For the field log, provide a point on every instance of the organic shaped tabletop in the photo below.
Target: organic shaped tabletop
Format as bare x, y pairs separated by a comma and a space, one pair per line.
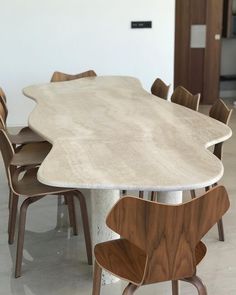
109, 133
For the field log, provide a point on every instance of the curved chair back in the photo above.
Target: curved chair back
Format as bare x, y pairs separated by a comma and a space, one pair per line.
3, 110
61, 77
183, 97
7, 153
3, 95
169, 234
222, 113
2, 123
160, 89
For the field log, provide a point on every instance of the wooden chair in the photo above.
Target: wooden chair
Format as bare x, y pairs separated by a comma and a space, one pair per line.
23, 182
25, 135
3, 95
222, 113
160, 89
159, 242
183, 97
61, 77
3, 101
28, 155
31, 148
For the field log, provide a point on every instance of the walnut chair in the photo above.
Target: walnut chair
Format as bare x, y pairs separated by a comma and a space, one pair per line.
61, 77
23, 183
25, 135
183, 97
3, 95
160, 89
3, 100
160, 242
222, 113
30, 154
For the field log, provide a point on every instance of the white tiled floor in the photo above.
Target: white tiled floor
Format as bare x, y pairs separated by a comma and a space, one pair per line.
55, 262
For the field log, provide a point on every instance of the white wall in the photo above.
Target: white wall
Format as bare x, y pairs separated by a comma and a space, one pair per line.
38, 37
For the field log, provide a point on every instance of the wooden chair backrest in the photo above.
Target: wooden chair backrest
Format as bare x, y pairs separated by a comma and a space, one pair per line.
160, 89
168, 234
222, 113
3, 112
61, 77
3, 109
183, 97
2, 123
7, 153
3, 95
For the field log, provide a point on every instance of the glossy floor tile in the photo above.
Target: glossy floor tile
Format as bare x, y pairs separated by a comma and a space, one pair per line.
55, 261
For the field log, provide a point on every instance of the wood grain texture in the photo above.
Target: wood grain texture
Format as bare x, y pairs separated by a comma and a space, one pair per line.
160, 89
222, 113
227, 18
183, 97
3, 103
198, 69
3, 95
110, 130
214, 13
159, 242
60, 77
182, 41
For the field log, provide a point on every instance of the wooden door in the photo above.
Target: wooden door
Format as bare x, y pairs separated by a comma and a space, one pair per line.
198, 68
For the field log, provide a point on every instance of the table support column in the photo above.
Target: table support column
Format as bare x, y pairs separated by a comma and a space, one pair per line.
99, 204
174, 197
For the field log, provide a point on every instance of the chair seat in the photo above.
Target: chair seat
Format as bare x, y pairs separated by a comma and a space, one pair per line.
26, 135
122, 259
126, 261
31, 154
29, 185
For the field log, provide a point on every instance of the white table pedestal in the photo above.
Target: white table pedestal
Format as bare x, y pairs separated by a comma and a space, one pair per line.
174, 197
99, 204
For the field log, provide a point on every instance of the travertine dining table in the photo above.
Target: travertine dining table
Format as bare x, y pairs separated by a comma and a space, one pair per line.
109, 134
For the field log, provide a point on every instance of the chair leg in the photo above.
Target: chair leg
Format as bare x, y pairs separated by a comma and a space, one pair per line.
140, 195
196, 281
21, 233
12, 219
85, 220
207, 188
153, 196
69, 199
10, 199
175, 287
220, 222
65, 200
130, 289
193, 194
97, 279
221, 230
